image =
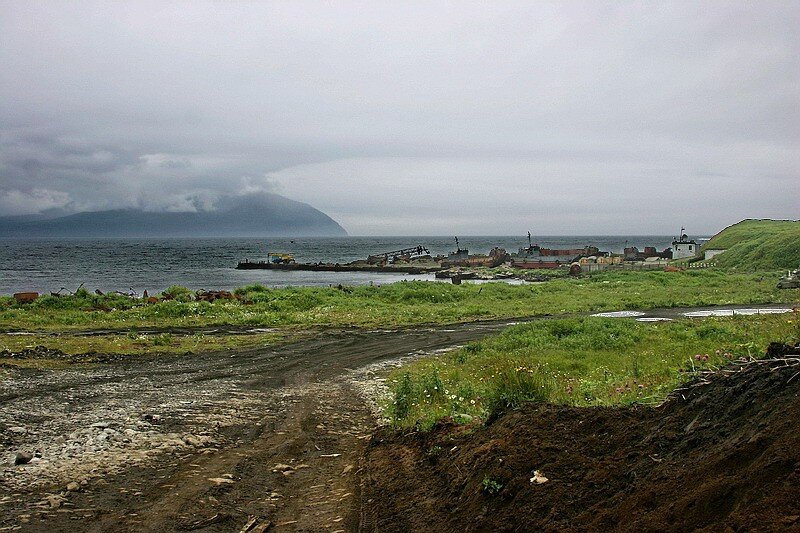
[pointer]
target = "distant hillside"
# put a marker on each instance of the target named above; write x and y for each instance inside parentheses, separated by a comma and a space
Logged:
(256, 215)
(758, 245)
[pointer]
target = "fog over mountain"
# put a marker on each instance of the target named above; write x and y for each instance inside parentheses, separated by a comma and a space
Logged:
(252, 215)
(561, 117)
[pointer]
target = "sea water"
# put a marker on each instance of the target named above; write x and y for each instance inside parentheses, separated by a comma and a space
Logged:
(154, 264)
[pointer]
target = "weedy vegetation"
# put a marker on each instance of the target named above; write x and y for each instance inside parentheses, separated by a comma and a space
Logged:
(491, 486)
(395, 305)
(578, 361)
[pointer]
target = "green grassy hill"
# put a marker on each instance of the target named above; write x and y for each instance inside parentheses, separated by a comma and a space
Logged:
(758, 245)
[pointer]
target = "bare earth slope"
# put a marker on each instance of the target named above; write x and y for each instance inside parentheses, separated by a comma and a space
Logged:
(720, 456)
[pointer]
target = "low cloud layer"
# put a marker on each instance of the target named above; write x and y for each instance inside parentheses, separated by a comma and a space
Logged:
(563, 117)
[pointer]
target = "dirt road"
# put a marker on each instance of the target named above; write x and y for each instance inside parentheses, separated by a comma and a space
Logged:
(231, 441)
(205, 442)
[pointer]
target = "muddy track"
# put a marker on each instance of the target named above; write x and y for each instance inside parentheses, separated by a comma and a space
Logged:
(204, 442)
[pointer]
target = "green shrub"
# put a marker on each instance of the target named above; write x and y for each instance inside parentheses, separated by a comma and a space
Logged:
(178, 293)
(491, 486)
(82, 293)
(249, 290)
(403, 398)
(512, 386)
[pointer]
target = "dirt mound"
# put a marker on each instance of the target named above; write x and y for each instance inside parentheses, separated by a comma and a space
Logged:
(722, 454)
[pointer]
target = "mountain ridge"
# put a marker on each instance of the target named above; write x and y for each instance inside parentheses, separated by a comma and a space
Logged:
(253, 215)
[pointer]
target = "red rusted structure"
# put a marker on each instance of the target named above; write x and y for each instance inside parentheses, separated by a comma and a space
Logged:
(25, 297)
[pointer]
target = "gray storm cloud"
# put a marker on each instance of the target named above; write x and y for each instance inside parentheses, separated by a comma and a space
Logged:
(483, 118)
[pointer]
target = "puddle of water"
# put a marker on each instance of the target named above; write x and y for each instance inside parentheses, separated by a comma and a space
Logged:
(620, 314)
(733, 312)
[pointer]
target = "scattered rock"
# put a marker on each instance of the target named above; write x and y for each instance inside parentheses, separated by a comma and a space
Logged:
(538, 478)
(282, 467)
(22, 458)
(205, 522)
(19, 430)
(55, 501)
(220, 480)
(191, 440)
(101, 425)
(73, 486)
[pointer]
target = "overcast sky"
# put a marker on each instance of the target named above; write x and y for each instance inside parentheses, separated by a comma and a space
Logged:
(400, 118)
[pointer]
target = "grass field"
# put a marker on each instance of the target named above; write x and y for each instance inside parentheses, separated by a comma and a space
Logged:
(758, 245)
(400, 304)
(579, 361)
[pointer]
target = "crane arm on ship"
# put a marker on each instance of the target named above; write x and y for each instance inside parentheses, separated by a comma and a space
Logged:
(413, 251)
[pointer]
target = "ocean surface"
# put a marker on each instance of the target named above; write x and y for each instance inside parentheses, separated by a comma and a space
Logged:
(155, 264)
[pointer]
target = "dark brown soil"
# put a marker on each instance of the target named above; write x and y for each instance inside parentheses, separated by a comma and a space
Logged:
(723, 455)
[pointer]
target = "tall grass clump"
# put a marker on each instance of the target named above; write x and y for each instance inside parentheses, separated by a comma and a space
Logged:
(178, 293)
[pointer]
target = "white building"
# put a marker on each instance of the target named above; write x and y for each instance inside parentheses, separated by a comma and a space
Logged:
(684, 247)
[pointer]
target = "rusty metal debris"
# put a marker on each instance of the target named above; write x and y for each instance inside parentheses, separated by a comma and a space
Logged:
(210, 296)
(25, 297)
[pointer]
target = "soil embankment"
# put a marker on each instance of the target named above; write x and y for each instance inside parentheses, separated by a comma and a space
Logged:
(722, 455)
